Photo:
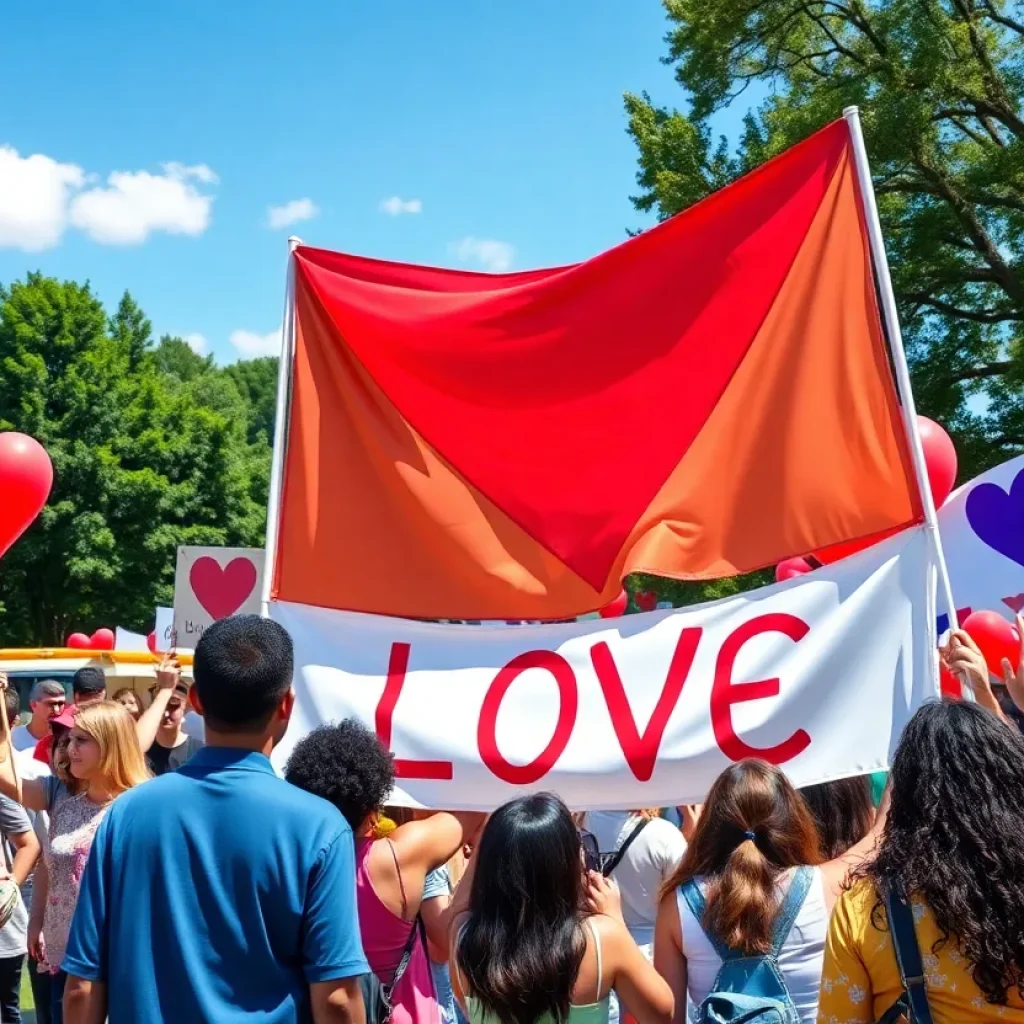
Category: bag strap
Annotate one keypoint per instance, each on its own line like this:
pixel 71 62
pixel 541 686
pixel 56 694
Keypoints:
pixel 695 901
pixel 908 954
pixel 418 930
pixel 616 858
pixel 790 908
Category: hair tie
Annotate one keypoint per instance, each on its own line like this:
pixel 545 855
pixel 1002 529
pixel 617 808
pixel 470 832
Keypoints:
pixel 750 835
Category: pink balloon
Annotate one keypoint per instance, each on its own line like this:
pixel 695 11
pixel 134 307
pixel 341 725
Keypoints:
pixel 80 642
pixel 26 476
pixel 939 457
pixel 790 568
pixel 616 607
pixel 103 640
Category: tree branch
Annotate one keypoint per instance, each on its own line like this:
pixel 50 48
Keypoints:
pixel 982 372
pixel 981 316
pixel 991 12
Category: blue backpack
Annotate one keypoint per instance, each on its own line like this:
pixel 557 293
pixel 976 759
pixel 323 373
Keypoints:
pixel 751 989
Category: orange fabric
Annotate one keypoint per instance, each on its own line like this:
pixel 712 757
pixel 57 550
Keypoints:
pixel 803 448
pixel 804 445
pixel 369 510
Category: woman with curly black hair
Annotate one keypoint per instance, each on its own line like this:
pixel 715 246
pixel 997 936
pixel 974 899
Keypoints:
pixel 348 766
pixel 954 845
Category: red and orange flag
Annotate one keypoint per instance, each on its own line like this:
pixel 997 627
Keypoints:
pixel 705 399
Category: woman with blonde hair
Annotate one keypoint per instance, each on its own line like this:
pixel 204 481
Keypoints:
pixel 101 760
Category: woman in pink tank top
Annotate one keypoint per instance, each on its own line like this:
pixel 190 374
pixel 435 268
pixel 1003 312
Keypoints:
pixel 347 765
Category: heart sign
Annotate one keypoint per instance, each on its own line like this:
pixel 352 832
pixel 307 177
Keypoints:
pixel 222 590
pixel 997 517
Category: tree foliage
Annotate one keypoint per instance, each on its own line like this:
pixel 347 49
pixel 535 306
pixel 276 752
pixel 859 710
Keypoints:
pixel 940 85
pixel 153 446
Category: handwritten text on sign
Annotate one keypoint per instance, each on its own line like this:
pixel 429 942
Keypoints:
pixel 818 675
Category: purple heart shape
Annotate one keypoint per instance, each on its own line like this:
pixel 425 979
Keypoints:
pixel 998 518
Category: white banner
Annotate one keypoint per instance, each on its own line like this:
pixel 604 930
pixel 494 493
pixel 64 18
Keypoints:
pixel 818 674
pixel 982 527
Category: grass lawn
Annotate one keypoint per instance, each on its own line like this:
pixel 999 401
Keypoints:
pixel 27 1002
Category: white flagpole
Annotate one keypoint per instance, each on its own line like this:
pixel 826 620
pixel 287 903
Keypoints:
pixel 282 407
pixel 899 356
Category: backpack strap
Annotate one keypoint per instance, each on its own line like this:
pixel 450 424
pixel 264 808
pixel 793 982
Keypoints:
pixel 790 907
pixel 616 858
pixel 695 901
pixel 908 955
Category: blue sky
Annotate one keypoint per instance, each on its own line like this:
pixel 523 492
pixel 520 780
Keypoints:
pixel 496 131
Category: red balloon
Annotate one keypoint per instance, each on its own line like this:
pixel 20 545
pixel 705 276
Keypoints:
pixel 616 607
pixel 939 457
pixel 26 476
pixel 151 642
pixel 80 642
pixel 103 640
pixel 790 568
pixel 646 600
pixel 996 639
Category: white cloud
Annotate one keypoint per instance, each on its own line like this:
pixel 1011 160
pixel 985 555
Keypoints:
pixel 250 346
pixel 291 213
pixel 137 203
pixel 197 343
pixel 395 206
pixel 490 254
pixel 34 193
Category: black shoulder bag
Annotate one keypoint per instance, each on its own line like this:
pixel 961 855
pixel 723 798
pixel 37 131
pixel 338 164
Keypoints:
pixel 911 1007
pixel 615 859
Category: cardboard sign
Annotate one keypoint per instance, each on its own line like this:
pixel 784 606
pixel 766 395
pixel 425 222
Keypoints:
pixel 211 584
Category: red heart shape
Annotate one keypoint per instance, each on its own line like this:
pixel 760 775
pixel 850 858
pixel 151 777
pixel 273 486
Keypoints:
pixel 222 591
pixel 1014 603
pixel 646 600
pixel 26 476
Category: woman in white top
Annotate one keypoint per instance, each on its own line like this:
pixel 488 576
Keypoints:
pixel 754 832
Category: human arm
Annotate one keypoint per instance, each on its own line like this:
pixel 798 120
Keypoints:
pixel 168 675
pixel 689 815
pixel 1013 677
pixel 430 842
pixel 85 1002
pixel 332 950
pixel 669 959
pixel 337 1002
pixel 964 659
pixel 40 895
pixel 434 907
pixel 26 853
pixel 644 993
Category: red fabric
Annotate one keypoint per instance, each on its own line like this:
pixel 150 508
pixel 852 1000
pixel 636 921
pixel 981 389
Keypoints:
pixel 42 749
pixel 519 379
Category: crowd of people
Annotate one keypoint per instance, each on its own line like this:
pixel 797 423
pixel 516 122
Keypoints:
pixel 163 878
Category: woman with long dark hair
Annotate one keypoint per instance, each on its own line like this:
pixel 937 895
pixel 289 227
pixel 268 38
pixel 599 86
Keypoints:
pixel 953 846
pixel 539 941
pixel 843 813
pixel 754 845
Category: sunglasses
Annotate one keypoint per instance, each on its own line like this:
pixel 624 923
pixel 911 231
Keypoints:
pixel 591 851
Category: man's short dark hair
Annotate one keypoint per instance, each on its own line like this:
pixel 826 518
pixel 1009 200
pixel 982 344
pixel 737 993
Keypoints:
pixel 88 680
pixel 242 669
pixel 13 703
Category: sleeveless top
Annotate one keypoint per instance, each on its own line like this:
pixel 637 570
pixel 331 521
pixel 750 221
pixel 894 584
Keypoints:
pixel 585 1013
pixel 800 961
pixel 384 937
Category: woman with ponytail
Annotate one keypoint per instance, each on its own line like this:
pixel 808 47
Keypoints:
pixel 754 842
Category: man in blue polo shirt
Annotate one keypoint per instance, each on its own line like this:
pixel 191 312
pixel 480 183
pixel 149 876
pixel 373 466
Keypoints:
pixel 218 893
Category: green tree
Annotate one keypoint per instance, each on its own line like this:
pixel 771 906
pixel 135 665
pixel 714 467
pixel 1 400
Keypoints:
pixel 144 461
pixel 256 380
pixel 177 359
pixel 940 84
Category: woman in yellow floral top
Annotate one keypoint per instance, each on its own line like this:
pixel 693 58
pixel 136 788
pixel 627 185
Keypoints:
pixel 954 841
